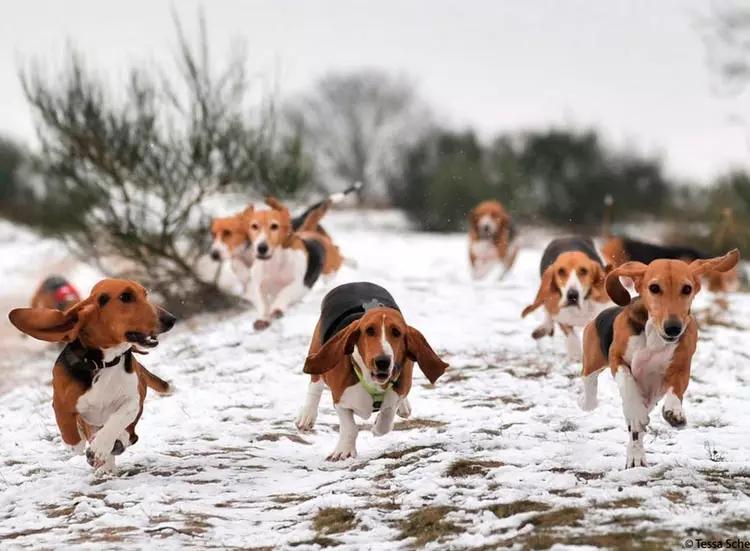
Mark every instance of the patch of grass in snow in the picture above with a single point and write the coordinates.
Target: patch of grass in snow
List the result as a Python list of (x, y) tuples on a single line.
[(714, 422), (505, 510), (289, 498), (470, 467), (399, 454), (675, 497), (334, 520), (622, 541), (322, 541), (567, 426), (427, 525), (276, 436), (581, 475), (23, 533), (112, 534), (567, 516), (411, 424)]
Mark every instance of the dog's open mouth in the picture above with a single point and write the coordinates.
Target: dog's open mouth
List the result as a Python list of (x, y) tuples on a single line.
[(142, 339)]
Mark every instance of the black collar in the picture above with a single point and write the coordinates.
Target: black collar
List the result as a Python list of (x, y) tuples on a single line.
[(84, 363)]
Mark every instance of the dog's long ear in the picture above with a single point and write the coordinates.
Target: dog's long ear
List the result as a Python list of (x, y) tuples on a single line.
[(718, 264), (275, 204), (51, 325), (420, 351), (615, 289), (547, 288), (330, 354)]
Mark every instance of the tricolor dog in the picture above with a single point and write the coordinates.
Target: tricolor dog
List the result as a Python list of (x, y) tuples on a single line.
[(286, 264), (491, 239), (364, 352), (572, 289), (55, 292), (647, 342), (619, 250), (231, 234), (98, 386)]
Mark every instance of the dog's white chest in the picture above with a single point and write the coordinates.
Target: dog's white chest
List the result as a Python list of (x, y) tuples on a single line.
[(578, 317), (280, 270), (111, 389), (484, 250), (649, 357)]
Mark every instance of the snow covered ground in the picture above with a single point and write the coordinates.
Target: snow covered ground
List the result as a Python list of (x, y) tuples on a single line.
[(496, 454)]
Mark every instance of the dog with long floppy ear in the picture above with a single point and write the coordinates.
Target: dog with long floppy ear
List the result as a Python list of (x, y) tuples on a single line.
[(368, 366), (647, 342)]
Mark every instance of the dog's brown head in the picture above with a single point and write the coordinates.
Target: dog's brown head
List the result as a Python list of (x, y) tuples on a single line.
[(269, 229), (384, 342), (230, 234), (487, 219), (667, 288), (117, 311)]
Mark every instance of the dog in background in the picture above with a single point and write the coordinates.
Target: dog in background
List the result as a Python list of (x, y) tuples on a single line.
[(286, 263), (619, 250), (648, 342), (364, 352), (492, 237), (56, 293), (98, 387), (231, 234), (572, 289)]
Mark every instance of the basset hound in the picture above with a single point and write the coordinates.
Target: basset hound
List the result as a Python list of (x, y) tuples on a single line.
[(572, 289), (55, 292), (231, 234), (98, 385), (364, 352), (619, 250), (492, 236), (648, 342), (286, 263)]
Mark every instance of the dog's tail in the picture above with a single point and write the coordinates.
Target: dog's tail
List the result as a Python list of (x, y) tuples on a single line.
[(156, 383), (341, 195)]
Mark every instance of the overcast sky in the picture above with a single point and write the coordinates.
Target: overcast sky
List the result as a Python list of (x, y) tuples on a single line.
[(634, 68)]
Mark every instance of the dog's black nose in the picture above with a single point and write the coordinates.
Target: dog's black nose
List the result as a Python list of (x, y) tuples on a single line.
[(262, 248), (572, 296), (215, 256), (383, 363), (672, 328), (166, 321)]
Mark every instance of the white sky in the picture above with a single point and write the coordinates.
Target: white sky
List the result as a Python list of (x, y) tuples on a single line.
[(636, 69)]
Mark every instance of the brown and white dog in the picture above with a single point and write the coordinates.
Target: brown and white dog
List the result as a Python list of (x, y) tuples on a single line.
[(364, 352), (55, 292), (491, 239), (286, 263), (572, 289), (618, 250), (231, 234), (98, 386), (648, 342)]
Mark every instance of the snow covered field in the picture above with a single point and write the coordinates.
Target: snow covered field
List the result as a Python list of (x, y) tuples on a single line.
[(496, 454)]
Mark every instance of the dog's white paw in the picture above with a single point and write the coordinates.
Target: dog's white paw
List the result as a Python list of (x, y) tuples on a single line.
[(344, 450), (383, 425), (99, 451), (306, 419), (79, 448), (673, 412), (636, 456), (404, 409), (587, 402), (107, 468)]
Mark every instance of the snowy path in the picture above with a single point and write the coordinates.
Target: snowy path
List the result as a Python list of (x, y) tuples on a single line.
[(497, 452)]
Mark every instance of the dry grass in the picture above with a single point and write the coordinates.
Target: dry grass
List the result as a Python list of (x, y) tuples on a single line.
[(334, 520), (471, 467), (411, 424), (427, 525), (505, 510)]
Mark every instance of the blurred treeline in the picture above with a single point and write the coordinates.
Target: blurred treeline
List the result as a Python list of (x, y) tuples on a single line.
[(127, 172)]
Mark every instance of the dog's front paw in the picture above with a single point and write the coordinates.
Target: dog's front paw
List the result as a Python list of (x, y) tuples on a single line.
[(587, 402), (260, 325), (107, 468), (306, 420), (404, 409), (541, 332), (343, 451), (636, 457), (672, 411)]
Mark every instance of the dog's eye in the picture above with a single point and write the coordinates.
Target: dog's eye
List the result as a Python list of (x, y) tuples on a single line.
[(255, 226), (127, 296), (561, 272), (654, 289), (226, 233), (274, 226), (395, 332), (583, 271), (370, 331), (686, 289)]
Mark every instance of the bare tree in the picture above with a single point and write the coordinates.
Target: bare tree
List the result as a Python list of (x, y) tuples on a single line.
[(133, 169), (358, 125)]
